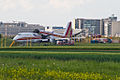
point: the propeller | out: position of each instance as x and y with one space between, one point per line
43 36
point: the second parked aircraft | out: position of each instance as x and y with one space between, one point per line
35 37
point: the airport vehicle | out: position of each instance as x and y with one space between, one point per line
27 37
101 40
65 41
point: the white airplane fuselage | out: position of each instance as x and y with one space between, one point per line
29 37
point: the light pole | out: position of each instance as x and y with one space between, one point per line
5 35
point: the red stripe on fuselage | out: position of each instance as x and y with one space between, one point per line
28 38
69 27
53 34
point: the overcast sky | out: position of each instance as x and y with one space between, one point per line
56 12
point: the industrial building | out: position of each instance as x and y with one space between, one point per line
107 25
56 29
11 29
116 29
93 25
97 26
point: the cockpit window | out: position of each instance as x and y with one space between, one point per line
35 34
19 34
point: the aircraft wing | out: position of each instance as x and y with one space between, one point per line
78 33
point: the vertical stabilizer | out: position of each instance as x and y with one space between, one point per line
68 31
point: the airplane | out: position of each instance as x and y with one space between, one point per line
29 37
67 33
37 37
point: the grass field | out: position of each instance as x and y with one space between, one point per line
78 62
59 65
51 69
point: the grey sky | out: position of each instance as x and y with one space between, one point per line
56 12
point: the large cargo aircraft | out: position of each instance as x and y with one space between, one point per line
36 37
27 37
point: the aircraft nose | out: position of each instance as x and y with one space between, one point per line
15 38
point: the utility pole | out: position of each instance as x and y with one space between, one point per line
5 35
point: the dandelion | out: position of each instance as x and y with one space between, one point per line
53 63
33 64
48 65
3 64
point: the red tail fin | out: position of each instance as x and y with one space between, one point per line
68 31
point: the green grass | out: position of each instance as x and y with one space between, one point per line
26 69
94 62
77 66
64 48
84 56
